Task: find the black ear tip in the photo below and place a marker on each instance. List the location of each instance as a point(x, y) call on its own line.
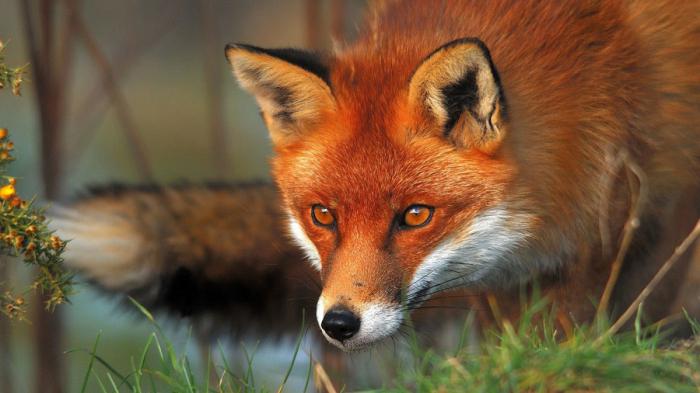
point(230, 48)
point(466, 40)
point(240, 46)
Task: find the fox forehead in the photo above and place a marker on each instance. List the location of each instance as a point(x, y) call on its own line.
point(359, 168)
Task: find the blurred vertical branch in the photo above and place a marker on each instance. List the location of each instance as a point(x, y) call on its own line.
point(47, 94)
point(118, 100)
point(317, 30)
point(312, 23)
point(95, 103)
point(338, 22)
point(50, 94)
point(212, 74)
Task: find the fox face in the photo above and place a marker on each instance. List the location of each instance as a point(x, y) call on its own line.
point(393, 175)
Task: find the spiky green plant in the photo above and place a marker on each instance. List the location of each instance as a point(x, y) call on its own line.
point(23, 228)
point(12, 77)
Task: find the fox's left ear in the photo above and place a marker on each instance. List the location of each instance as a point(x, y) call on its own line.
point(290, 85)
point(458, 87)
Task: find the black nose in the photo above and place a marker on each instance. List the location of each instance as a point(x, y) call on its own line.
point(340, 323)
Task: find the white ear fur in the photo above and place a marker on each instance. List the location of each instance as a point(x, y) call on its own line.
point(287, 85)
point(459, 87)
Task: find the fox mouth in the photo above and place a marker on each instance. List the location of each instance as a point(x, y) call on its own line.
point(378, 321)
point(357, 345)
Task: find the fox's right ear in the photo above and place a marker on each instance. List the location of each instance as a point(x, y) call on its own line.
point(290, 85)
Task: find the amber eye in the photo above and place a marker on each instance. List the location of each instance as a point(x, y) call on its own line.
point(322, 216)
point(417, 215)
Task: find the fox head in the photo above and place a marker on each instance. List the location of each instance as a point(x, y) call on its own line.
point(393, 172)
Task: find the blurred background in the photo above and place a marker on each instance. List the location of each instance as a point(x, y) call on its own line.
point(135, 92)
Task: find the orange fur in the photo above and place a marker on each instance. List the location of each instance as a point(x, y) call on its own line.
point(580, 79)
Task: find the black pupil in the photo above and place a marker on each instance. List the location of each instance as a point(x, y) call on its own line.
point(322, 211)
point(322, 215)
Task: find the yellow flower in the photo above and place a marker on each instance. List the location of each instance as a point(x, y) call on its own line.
point(3, 133)
point(7, 192)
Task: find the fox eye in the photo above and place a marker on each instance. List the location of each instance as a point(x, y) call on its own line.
point(322, 216)
point(417, 216)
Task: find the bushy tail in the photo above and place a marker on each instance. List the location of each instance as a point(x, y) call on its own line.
point(192, 250)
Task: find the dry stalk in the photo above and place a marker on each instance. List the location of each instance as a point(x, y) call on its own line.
point(663, 322)
point(566, 325)
point(649, 288)
point(322, 381)
point(495, 310)
point(614, 163)
point(630, 227)
point(458, 367)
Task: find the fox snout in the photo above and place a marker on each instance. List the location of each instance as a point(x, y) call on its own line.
point(358, 326)
point(359, 304)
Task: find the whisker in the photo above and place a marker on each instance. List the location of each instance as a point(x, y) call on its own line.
point(434, 307)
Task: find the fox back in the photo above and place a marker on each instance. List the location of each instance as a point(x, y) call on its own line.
point(471, 144)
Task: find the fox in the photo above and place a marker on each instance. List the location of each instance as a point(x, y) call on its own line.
point(468, 144)
point(458, 146)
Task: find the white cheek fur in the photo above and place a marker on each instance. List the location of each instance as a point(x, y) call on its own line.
point(486, 252)
point(302, 240)
point(379, 321)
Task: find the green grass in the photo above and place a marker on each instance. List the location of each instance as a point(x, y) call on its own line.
point(161, 367)
point(531, 356)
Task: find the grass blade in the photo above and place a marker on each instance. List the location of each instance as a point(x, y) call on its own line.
point(297, 346)
point(91, 363)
